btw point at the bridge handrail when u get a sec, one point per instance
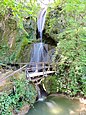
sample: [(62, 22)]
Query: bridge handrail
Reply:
[(12, 73), (37, 67)]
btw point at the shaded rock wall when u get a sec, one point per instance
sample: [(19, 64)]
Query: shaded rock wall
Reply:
[(14, 42)]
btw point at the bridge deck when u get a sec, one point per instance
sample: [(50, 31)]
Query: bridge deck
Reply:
[(40, 73)]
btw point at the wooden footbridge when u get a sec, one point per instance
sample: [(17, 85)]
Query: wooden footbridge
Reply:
[(35, 72), (39, 71)]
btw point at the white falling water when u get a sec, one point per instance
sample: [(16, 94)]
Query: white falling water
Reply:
[(39, 52), (41, 21), (42, 15)]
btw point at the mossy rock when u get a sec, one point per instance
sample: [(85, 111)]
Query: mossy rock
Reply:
[(50, 84), (54, 23), (7, 85), (15, 43)]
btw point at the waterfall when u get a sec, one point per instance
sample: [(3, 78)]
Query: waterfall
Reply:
[(39, 51), (41, 21), (42, 15), (41, 92)]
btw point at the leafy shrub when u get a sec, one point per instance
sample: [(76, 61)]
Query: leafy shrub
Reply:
[(67, 24), (24, 93)]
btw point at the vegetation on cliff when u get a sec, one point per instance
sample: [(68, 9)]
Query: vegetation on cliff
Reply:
[(17, 29), (66, 24)]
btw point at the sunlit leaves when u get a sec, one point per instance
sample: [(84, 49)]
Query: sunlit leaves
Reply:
[(24, 93), (73, 5), (72, 45), (20, 9)]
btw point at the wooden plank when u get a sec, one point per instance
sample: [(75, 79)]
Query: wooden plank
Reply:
[(39, 67), (40, 73)]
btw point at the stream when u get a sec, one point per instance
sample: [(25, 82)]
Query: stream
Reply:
[(58, 105)]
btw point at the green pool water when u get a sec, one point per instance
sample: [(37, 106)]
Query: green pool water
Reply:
[(55, 105)]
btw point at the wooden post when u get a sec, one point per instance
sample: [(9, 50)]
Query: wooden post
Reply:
[(20, 67), (43, 68), (27, 74), (49, 67), (55, 67), (36, 68)]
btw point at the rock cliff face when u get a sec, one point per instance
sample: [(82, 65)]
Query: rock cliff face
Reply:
[(14, 42), (7, 30), (54, 24)]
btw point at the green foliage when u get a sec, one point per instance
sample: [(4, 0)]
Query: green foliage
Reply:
[(68, 25), (19, 9), (21, 50), (5, 102), (24, 93), (13, 15)]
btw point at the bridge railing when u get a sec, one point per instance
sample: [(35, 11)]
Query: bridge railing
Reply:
[(43, 67), (40, 65)]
